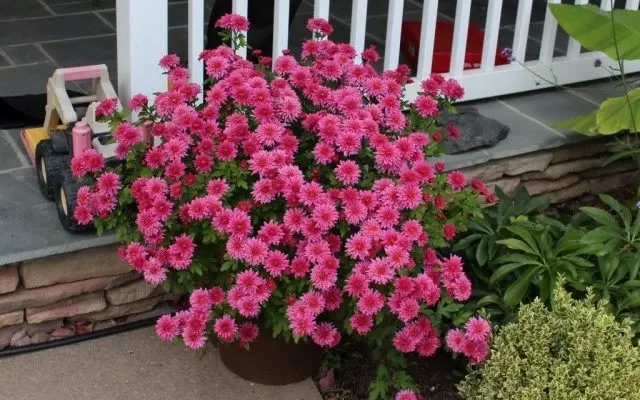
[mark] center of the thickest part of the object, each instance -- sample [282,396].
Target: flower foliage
[303,196]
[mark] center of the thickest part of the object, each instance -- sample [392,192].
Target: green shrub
[575,350]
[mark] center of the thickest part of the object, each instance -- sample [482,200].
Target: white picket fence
[143,30]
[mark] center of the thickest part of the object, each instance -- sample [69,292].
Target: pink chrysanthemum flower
[371,302]
[166,328]
[348,172]
[326,335]
[406,395]
[225,327]
[456,180]
[478,329]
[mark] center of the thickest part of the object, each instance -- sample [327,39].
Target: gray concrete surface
[132,366]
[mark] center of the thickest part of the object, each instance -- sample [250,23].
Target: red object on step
[410,43]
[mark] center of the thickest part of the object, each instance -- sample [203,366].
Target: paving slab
[25,54]
[68,7]
[133,365]
[29,223]
[14,10]
[25,79]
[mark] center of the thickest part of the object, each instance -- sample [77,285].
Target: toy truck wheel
[65,192]
[49,166]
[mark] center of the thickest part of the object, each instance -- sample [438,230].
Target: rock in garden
[327,382]
[20,339]
[475,130]
[60,333]
[39,337]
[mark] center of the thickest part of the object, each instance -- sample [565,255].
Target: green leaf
[504,270]
[536,204]
[480,226]
[490,299]
[633,284]
[482,252]
[621,210]
[516,292]
[592,28]
[632,301]
[526,236]
[601,216]
[584,124]
[620,155]
[515,244]
[466,242]
[619,114]
[599,235]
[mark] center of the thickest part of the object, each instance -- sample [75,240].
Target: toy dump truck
[69,128]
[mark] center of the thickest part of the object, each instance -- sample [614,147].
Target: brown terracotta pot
[272,361]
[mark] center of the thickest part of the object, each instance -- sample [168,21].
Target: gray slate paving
[25,54]
[133,365]
[13,10]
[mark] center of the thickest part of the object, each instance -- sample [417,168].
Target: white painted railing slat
[632,4]
[605,5]
[321,9]
[142,39]
[460,30]
[491,32]
[280,27]
[196,41]
[573,48]
[241,7]
[521,35]
[547,47]
[394,29]
[427,37]
[358,26]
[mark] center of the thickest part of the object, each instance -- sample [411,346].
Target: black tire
[49,166]
[65,193]
[60,140]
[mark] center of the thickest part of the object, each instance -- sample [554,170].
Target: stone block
[508,185]
[133,291]
[71,267]
[120,310]
[546,186]
[568,193]
[486,172]
[527,163]
[609,182]
[8,278]
[83,304]
[161,309]
[12,318]
[576,152]
[27,298]
[556,171]
[620,166]
[8,331]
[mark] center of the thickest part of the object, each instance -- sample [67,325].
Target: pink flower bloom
[427,106]
[358,246]
[452,89]
[138,101]
[216,296]
[409,309]
[326,335]
[313,302]
[348,172]
[403,342]
[276,262]
[106,108]
[193,339]
[356,285]
[371,302]
[217,187]
[303,326]
[387,217]
[255,251]
[320,25]
[478,329]
[452,267]
[166,328]
[456,180]
[406,395]
[299,267]
[226,329]
[248,332]
[332,298]
[83,215]
[370,55]
[361,323]
[460,288]
[449,231]
[169,61]
[323,278]
[234,22]
[200,299]
[380,271]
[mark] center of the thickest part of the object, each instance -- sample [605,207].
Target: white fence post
[460,31]
[196,41]
[632,4]
[605,5]
[394,29]
[321,9]
[358,26]
[280,27]
[547,47]
[241,7]
[142,38]
[521,35]
[427,37]
[492,30]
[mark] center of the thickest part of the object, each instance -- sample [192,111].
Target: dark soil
[435,376]
[625,195]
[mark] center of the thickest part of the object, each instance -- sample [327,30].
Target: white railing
[142,40]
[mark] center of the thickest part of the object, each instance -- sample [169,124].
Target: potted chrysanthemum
[297,204]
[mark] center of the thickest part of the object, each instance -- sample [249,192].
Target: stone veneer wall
[38,297]
[560,174]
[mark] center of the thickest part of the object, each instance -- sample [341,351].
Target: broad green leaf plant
[616,33]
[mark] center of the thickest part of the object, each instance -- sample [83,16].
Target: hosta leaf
[592,28]
[619,114]
[584,124]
